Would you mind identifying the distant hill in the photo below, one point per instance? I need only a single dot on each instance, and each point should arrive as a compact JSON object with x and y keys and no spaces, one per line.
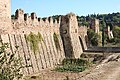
{"x":110,"y":19}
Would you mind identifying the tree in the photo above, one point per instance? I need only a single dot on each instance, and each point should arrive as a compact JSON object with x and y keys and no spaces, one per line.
{"x":103,"y":32}
{"x":116,"y":33}
{"x":93,"y":37}
{"x":9,"y":64}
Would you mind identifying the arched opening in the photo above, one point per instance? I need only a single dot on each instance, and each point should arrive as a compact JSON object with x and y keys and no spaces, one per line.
{"x":81,"y":42}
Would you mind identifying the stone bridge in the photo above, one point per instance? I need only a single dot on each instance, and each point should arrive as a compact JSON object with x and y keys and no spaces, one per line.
{"x":103,"y":49}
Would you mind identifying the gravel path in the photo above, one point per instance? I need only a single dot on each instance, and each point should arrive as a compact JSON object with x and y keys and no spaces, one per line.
{"x":108,"y":71}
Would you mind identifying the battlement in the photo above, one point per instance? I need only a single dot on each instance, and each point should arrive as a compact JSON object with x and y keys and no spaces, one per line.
{"x":21,"y":16}
{"x":25,"y":21}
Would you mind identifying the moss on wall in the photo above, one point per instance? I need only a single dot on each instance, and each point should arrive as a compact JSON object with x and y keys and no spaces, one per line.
{"x":56,"y":40}
{"x":34,"y":40}
{"x":39,"y":37}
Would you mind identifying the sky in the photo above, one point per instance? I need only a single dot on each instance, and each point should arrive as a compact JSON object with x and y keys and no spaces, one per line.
{"x":45,"y":8}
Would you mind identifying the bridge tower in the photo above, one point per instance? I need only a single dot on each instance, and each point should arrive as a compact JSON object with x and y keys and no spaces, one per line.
{"x":70,"y":38}
{"x":5,"y":16}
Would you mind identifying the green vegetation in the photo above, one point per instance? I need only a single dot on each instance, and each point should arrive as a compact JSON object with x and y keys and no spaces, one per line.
{"x":115,"y":42}
{"x":56,"y":40}
{"x":103,"y":33}
{"x":116,"y":33}
{"x":34,"y":40}
{"x":93,"y":37}
{"x":39,"y":37}
{"x":10,"y":65}
{"x":55,"y":17}
{"x":110,"y":19}
{"x":73,"y":65}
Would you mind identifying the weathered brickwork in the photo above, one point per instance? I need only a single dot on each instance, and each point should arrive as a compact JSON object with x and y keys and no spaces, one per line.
{"x":82,"y":32}
{"x":70,"y":37}
{"x":56,"y":40}
{"x":5,"y":16}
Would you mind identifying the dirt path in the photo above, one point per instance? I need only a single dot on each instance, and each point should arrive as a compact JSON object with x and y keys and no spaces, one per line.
{"x":105,"y":71}
{"x":108,"y":71}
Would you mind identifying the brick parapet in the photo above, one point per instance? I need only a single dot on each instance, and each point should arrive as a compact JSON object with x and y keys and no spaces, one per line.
{"x":23,"y":23}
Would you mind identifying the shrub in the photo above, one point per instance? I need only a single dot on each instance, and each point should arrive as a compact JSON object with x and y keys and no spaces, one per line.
{"x":93,"y":37}
{"x":73,"y":65}
{"x":9,"y":64}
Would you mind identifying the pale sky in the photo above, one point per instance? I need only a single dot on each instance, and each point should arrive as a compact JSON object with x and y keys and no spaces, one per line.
{"x":45,"y":8}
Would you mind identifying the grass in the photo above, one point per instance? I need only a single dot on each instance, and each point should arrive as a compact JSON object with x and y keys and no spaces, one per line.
{"x":71,"y":68}
{"x":73,"y":65}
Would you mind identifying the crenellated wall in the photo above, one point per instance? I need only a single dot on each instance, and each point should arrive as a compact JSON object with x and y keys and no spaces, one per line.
{"x":23,"y":23}
{"x":43,"y":43}
{"x":50,"y":49}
